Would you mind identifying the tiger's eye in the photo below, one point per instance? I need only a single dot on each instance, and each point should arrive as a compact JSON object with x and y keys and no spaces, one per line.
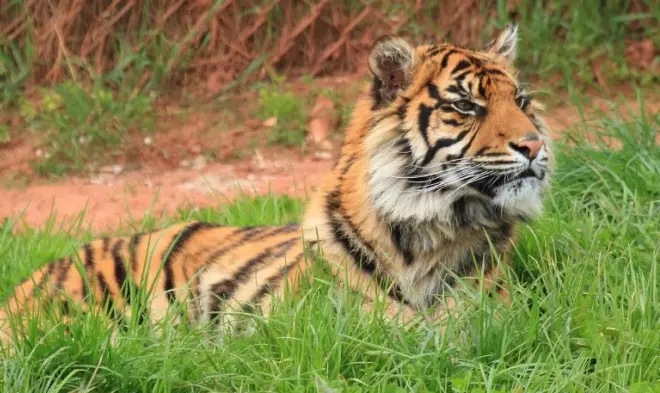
{"x":464,"y":106}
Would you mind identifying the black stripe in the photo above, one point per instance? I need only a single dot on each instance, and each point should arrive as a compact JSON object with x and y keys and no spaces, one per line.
{"x":349,"y":163}
{"x":401,"y":111}
{"x":446,"y":108}
{"x":482,"y":88}
{"x":246,"y":232}
{"x":450,"y":122}
{"x":441,"y":144}
{"x":106,"y":245}
{"x":375,"y":92}
{"x":401,"y":246}
{"x":88,"y":265}
{"x":355,"y":246}
{"x":63,"y":273}
{"x":463,"y":150}
{"x":445,"y":58}
{"x":277,"y":231}
{"x":455,"y":89}
{"x":120,"y":271}
{"x":135,"y":243}
{"x":482,"y":151}
{"x":44,"y":277}
{"x":274,"y":281}
{"x":434,"y":92}
{"x":432,"y":51}
{"x":107,"y":301}
{"x":254,"y":234}
{"x":403,"y":146}
{"x":459,"y":78}
{"x":461,"y":65}
{"x":178,"y":243}
{"x":424,"y":116}
{"x":494,"y":71}
{"x":106,"y":296}
{"x":225,"y":289}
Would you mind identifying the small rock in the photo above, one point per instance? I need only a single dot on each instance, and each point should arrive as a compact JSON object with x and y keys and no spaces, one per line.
{"x":38,"y":152}
{"x":326,"y":145}
{"x":270,"y":122}
{"x":116,"y":169}
{"x":184,"y":164}
{"x":148,"y":141}
{"x":199,"y":162}
{"x":323,"y":119}
{"x":323,"y":155}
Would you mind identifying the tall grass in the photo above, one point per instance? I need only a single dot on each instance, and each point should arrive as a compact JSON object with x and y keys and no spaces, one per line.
{"x":585,"y":313}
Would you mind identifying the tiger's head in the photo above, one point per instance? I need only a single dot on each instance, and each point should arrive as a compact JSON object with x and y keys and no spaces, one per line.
{"x":454,"y":133}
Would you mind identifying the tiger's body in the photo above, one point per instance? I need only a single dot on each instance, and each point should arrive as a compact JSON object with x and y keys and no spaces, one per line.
{"x":444,"y":154}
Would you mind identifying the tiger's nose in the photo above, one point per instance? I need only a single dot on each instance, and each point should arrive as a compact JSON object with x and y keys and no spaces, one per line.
{"x":529,"y":146}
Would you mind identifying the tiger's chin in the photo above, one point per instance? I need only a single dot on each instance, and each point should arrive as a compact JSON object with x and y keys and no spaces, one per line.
{"x":522,"y":198}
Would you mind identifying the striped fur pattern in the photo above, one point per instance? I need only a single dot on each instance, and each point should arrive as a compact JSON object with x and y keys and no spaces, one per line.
{"x":446,"y":151}
{"x":210,"y":268}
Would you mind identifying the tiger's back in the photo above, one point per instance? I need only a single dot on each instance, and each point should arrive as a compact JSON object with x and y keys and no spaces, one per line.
{"x":210,"y":268}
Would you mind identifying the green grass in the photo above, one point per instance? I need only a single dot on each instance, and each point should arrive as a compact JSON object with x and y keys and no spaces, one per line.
{"x":80,"y":128}
{"x":289,"y":111}
{"x":585,"y":315}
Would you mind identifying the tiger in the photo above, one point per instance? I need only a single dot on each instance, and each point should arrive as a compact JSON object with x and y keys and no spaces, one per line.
{"x":445,"y":154}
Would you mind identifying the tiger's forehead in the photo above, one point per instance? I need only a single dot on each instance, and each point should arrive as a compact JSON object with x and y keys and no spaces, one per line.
{"x":450,"y":64}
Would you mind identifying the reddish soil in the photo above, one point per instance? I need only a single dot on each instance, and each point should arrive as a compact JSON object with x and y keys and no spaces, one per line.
{"x":160,"y":184}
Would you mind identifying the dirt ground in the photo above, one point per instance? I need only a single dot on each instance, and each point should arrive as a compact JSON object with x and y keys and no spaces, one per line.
{"x":114,"y":195}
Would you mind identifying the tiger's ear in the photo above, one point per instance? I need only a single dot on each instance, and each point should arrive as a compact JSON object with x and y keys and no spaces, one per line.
{"x":391,"y":62}
{"x":505,"y":43}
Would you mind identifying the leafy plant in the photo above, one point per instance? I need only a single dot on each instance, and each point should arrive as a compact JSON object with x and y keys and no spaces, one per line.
{"x":80,"y":128}
{"x":289,"y":111}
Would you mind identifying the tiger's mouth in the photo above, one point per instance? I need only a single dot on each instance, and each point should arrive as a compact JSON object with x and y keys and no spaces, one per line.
{"x":489,"y":184}
{"x":529,"y":172}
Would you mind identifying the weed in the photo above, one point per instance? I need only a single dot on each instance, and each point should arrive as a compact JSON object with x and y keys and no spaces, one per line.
{"x":289,"y":112}
{"x":80,"y":129}
{"x":558,"y":38}
{"x":5,"y":137}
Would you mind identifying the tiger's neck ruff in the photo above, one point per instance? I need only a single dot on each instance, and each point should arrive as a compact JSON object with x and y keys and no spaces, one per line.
{"x":444,"y":154}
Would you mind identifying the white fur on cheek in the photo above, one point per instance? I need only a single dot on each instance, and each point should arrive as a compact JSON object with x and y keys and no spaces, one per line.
{"x":390,"y":193}
{"x":525,"y":197}
{"x":521,"y":197}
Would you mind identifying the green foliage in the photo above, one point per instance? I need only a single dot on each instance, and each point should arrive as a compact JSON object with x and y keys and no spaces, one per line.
{"x":558,"y":38}
{"x":584,"y":314}
{"x":4,"y":134}
{"x":289,"y":110}
{"x":15,"y":70}
{"x":80,"y":128}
